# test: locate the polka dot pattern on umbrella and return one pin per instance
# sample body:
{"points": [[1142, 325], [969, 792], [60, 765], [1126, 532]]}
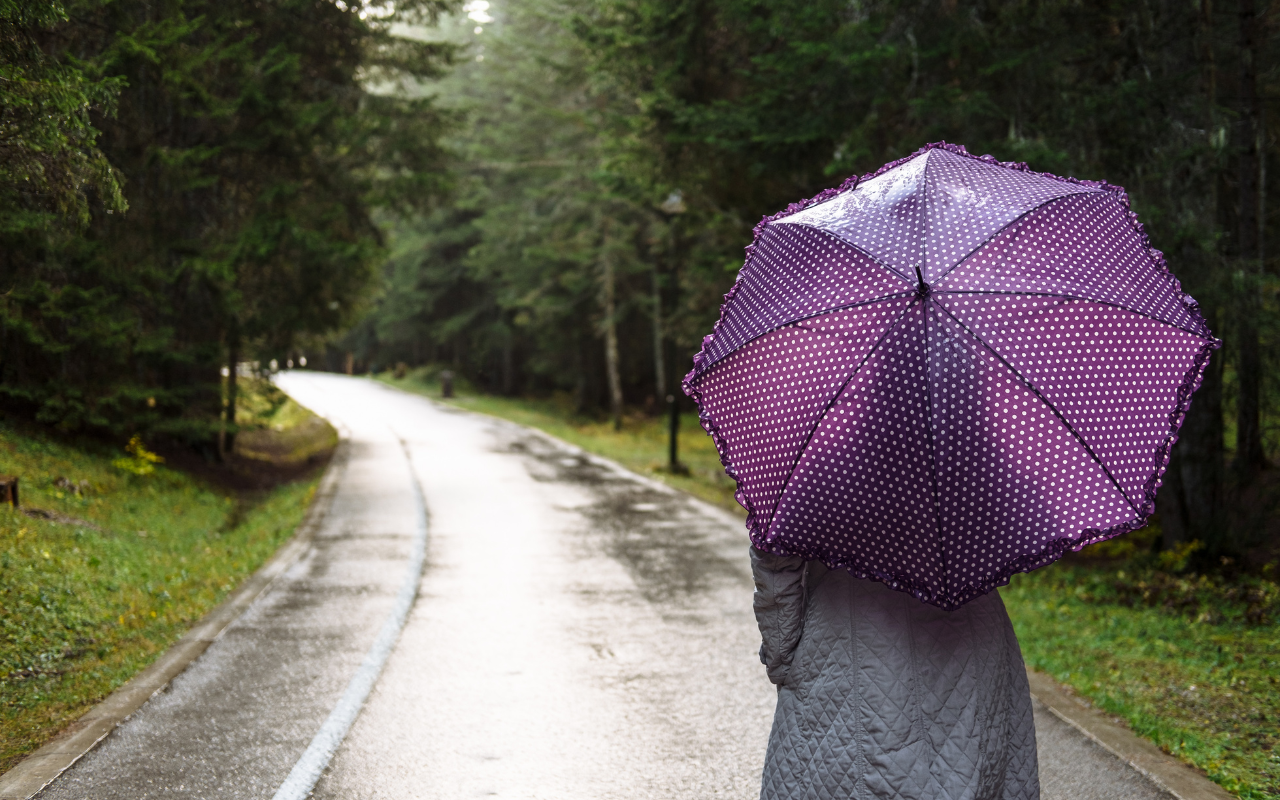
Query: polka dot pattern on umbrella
{"points": [[931, 211], [1113, 375], [969, 201], [767, 396], [941, 434], [795, 272], [1012, 478], [1082, 246], [864, 485], [883, 217]]}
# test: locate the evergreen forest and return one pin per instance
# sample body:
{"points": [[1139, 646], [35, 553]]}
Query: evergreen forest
{"points": [[551, 197]]}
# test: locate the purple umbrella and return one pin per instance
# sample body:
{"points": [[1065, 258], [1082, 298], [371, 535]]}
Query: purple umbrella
{"points": [[949, 371]]}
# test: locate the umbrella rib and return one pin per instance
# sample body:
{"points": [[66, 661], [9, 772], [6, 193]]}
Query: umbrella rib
{"points": [[1004, 228], [834, 397], [1048, 405], [798, 320], [1082, 299], [933, 451], [870, 256]]}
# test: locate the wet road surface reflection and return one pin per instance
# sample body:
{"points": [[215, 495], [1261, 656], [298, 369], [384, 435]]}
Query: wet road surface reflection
{"points": [[670, 546]]}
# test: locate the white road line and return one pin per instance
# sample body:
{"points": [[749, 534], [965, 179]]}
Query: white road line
{"points": [[302, 778]]}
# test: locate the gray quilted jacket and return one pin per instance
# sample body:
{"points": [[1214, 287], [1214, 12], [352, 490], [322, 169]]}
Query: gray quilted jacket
{"points": [[881, 696]]}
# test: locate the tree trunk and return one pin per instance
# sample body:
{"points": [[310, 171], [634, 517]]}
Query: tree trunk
{"points": [[229, 414], [1208, 60], [659, 362], [609, 301], [222, 414], [508, 364], [1192, 501], [1171, 503], [1249, 454], [579, 373]]}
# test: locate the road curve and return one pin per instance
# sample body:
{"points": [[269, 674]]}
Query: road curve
{"points": [[579, 632]]}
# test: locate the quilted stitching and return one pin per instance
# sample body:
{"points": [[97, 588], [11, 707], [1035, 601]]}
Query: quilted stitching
{"points": [[892, 699]]}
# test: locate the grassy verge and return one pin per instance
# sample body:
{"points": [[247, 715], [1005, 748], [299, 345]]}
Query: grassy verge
{"points": [[1201, 683], [118, 567], [1188, 662]]}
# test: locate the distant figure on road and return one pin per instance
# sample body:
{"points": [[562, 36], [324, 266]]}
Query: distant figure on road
{"points": [[883, 696]]}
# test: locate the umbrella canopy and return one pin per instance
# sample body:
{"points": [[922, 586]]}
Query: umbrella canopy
{"points": [[949, 371]]}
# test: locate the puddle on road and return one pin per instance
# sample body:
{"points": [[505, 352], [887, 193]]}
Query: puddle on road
{"points": [[660, 539]]}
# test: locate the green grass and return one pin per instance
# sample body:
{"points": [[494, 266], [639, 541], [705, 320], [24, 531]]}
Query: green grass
{"points": [[88, 601], [1204, 691], [1081, 622], [640, 446]]}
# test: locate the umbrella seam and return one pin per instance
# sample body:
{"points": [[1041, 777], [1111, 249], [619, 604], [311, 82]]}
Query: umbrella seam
{"points": [[933, 450], [704, 371], [836, 396], [873, 258], [1143, 314], [722, 446], [1047, 404], [923, 219], [701, 369], [1053, 550], [1010, 224]]}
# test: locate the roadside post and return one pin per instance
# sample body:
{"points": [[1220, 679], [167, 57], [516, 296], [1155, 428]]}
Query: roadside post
{"points": [[672, 208], [9, 490], [673, 465]]}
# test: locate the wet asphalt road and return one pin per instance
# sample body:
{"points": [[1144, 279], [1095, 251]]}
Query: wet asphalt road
{"points": [[578, 633]]}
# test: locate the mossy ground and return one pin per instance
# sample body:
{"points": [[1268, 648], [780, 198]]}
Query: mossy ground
{"points": [[118, 568], [277, 431], [1194, 670]]}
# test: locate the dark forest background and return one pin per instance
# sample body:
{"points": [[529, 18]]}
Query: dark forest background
{"points": [[550, 197]]}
